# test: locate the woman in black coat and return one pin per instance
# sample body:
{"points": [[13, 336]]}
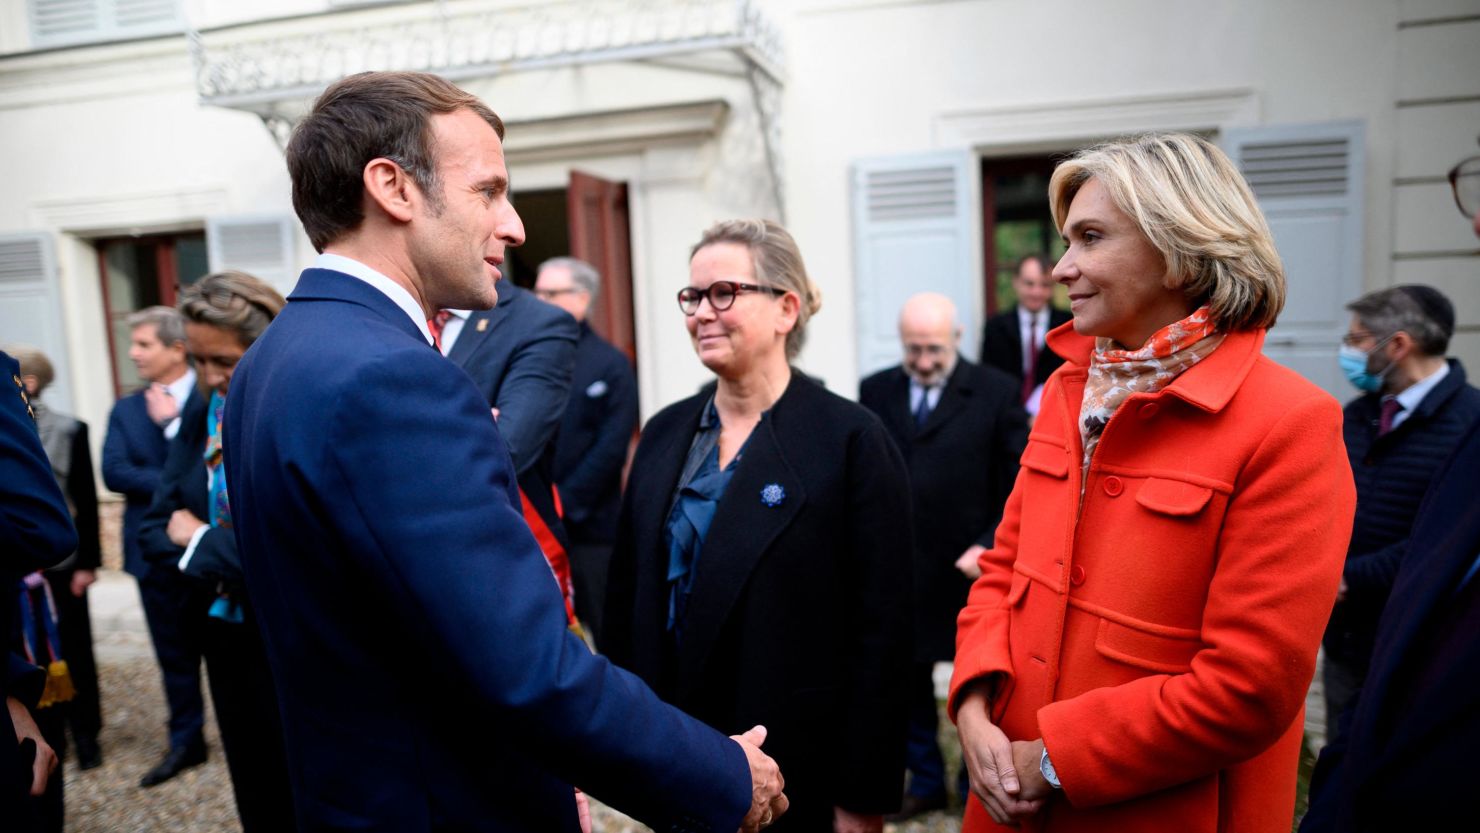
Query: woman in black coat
{"points": [[762, 569], [188, 527]]}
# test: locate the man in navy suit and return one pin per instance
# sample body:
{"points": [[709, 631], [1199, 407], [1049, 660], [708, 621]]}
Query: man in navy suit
{"points": [[427, 678], [139, 432], [1013, 341], [520, 354], [36, 532], [591, 448], [1405, 759]]}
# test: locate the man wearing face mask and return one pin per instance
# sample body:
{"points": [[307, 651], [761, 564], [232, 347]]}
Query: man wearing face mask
{"points": [[1415, 408]]}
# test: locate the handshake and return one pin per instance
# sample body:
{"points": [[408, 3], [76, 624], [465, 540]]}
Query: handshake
{"points": [[767, 801]]}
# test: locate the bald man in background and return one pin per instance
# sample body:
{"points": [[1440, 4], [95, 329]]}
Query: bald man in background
{"points": [[961, 429]]}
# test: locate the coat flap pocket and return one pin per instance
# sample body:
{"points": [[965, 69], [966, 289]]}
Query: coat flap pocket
{"points": [[1154, 652], [1046, 458], [1018, 589], [1173, 497]]}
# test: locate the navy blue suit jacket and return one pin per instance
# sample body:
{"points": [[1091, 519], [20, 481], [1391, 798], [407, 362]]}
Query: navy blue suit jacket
{"points": [[1406, 759], [417, 638], [600, 418], [36, 531], [134, 452]]}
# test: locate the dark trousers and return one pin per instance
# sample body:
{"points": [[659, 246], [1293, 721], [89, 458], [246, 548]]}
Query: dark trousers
{"points": [[84, 712], [251, 725], [589, 564], [1342, 684], [170, 600]]}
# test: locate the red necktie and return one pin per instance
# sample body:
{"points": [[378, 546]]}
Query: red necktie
{"points": [[1031, 371], [436, 323]]}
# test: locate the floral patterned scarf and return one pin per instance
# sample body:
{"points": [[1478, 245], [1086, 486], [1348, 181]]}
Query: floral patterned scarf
{"points": [[1115, 374]]}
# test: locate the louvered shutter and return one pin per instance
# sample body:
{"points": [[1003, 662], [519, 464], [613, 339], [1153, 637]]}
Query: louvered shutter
{"points": [[914, 230], [260, 245], [64, 22], [1308, 181], [31, 308]]}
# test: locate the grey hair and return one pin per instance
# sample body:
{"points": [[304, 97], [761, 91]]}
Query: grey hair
{"points": [[777, 262], [583, 274], [168, 324], [1420, 311]]}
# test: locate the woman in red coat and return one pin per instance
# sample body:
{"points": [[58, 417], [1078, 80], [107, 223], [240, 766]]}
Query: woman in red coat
{"points": [[1136, 653]]}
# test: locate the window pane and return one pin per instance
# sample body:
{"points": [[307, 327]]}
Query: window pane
{"points": [[190, 258], [133, 283]]}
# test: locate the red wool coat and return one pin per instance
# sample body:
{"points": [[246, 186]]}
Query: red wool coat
{"points": [[1161, 639]]}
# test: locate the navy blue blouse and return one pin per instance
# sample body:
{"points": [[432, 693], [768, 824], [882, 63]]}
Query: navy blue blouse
{"points": [[700, 488]]}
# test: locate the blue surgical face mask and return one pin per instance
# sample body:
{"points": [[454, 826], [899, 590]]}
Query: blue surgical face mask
{"points": [[1354, 364]]}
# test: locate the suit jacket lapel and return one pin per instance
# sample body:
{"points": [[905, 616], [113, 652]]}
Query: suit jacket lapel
{"points": [[476, 330], [744, 527], [952, 401]]}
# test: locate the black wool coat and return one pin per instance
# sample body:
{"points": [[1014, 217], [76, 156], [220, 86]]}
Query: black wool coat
{"points": [[799, 616], [962, 464]]}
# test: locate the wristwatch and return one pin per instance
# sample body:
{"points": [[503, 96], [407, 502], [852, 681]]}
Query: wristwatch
{"points": [[1045, 766]]}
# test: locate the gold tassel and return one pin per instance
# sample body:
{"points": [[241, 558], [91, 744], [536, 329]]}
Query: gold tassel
{"points": [[59, 688]]}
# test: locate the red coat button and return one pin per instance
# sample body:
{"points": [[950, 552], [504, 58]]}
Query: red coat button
{"points": [[1114, 486], [1076, 575], [1149, 410]]}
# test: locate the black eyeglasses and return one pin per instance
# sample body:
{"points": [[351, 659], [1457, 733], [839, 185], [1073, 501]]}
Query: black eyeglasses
{"points": [[1464, 180], [721, 295]]}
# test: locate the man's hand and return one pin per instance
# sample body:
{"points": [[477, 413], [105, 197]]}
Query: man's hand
{"points": [[988, 756], [1027, 758], [846, 822], [160, 405], [46, 758], [583, 811], [968, 562], [182, 527], [81, 580], [767, 801]]}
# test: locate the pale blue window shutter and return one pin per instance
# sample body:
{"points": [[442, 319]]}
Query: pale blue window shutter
{"points": [[916, 228], [260, 245], [31, 307], [1308, 179]]}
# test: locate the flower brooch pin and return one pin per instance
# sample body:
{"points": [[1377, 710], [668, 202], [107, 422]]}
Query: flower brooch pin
{"points": [[772, 495]]}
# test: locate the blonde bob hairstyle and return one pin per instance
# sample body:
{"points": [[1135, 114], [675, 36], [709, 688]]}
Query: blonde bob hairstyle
{"points": [[777, 263], [1195, 208], [233, 301]]}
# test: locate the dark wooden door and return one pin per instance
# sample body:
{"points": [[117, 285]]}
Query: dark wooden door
{"points": [[596, 209]]}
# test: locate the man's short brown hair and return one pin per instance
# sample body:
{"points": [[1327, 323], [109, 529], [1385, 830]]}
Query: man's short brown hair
{"points": [[362, 117]]}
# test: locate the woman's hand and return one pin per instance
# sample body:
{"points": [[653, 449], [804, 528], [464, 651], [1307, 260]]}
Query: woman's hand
{"points": [[987, 754], [846, 822], [182, 527], [81, 580]]}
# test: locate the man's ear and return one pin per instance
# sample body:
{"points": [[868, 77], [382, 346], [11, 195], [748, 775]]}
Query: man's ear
{"points": [[1400, 345], [391, 189]]}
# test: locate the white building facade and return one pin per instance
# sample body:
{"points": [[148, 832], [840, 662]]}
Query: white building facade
{"points": [[904, 142]]}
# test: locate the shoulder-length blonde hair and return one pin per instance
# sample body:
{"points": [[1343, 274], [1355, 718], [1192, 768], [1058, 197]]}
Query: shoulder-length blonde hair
{"points": [[1195, 208], [778, 263]]}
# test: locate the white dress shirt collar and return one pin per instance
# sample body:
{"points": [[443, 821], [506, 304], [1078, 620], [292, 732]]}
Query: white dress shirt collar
{"points": [[389, 288], [1414, 395]]}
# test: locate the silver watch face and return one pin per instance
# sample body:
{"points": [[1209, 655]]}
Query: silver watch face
{"points": [[1045, 766]]}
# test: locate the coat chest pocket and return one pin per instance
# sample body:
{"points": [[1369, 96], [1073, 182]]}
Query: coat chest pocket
{"points": [[1046, 457], [1143, 649], [1175, 498]]}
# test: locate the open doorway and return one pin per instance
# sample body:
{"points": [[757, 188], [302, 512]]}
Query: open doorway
{"points": [[588, 219], [1016, 222]]}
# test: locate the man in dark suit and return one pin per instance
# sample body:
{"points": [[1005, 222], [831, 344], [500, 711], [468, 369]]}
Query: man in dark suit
{"points": [[36, 532], [1416, 406], [961, 430], [600, 418], [1405, 759], [520, 355], [427, 677], [139, 432], [1013, 341]]}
